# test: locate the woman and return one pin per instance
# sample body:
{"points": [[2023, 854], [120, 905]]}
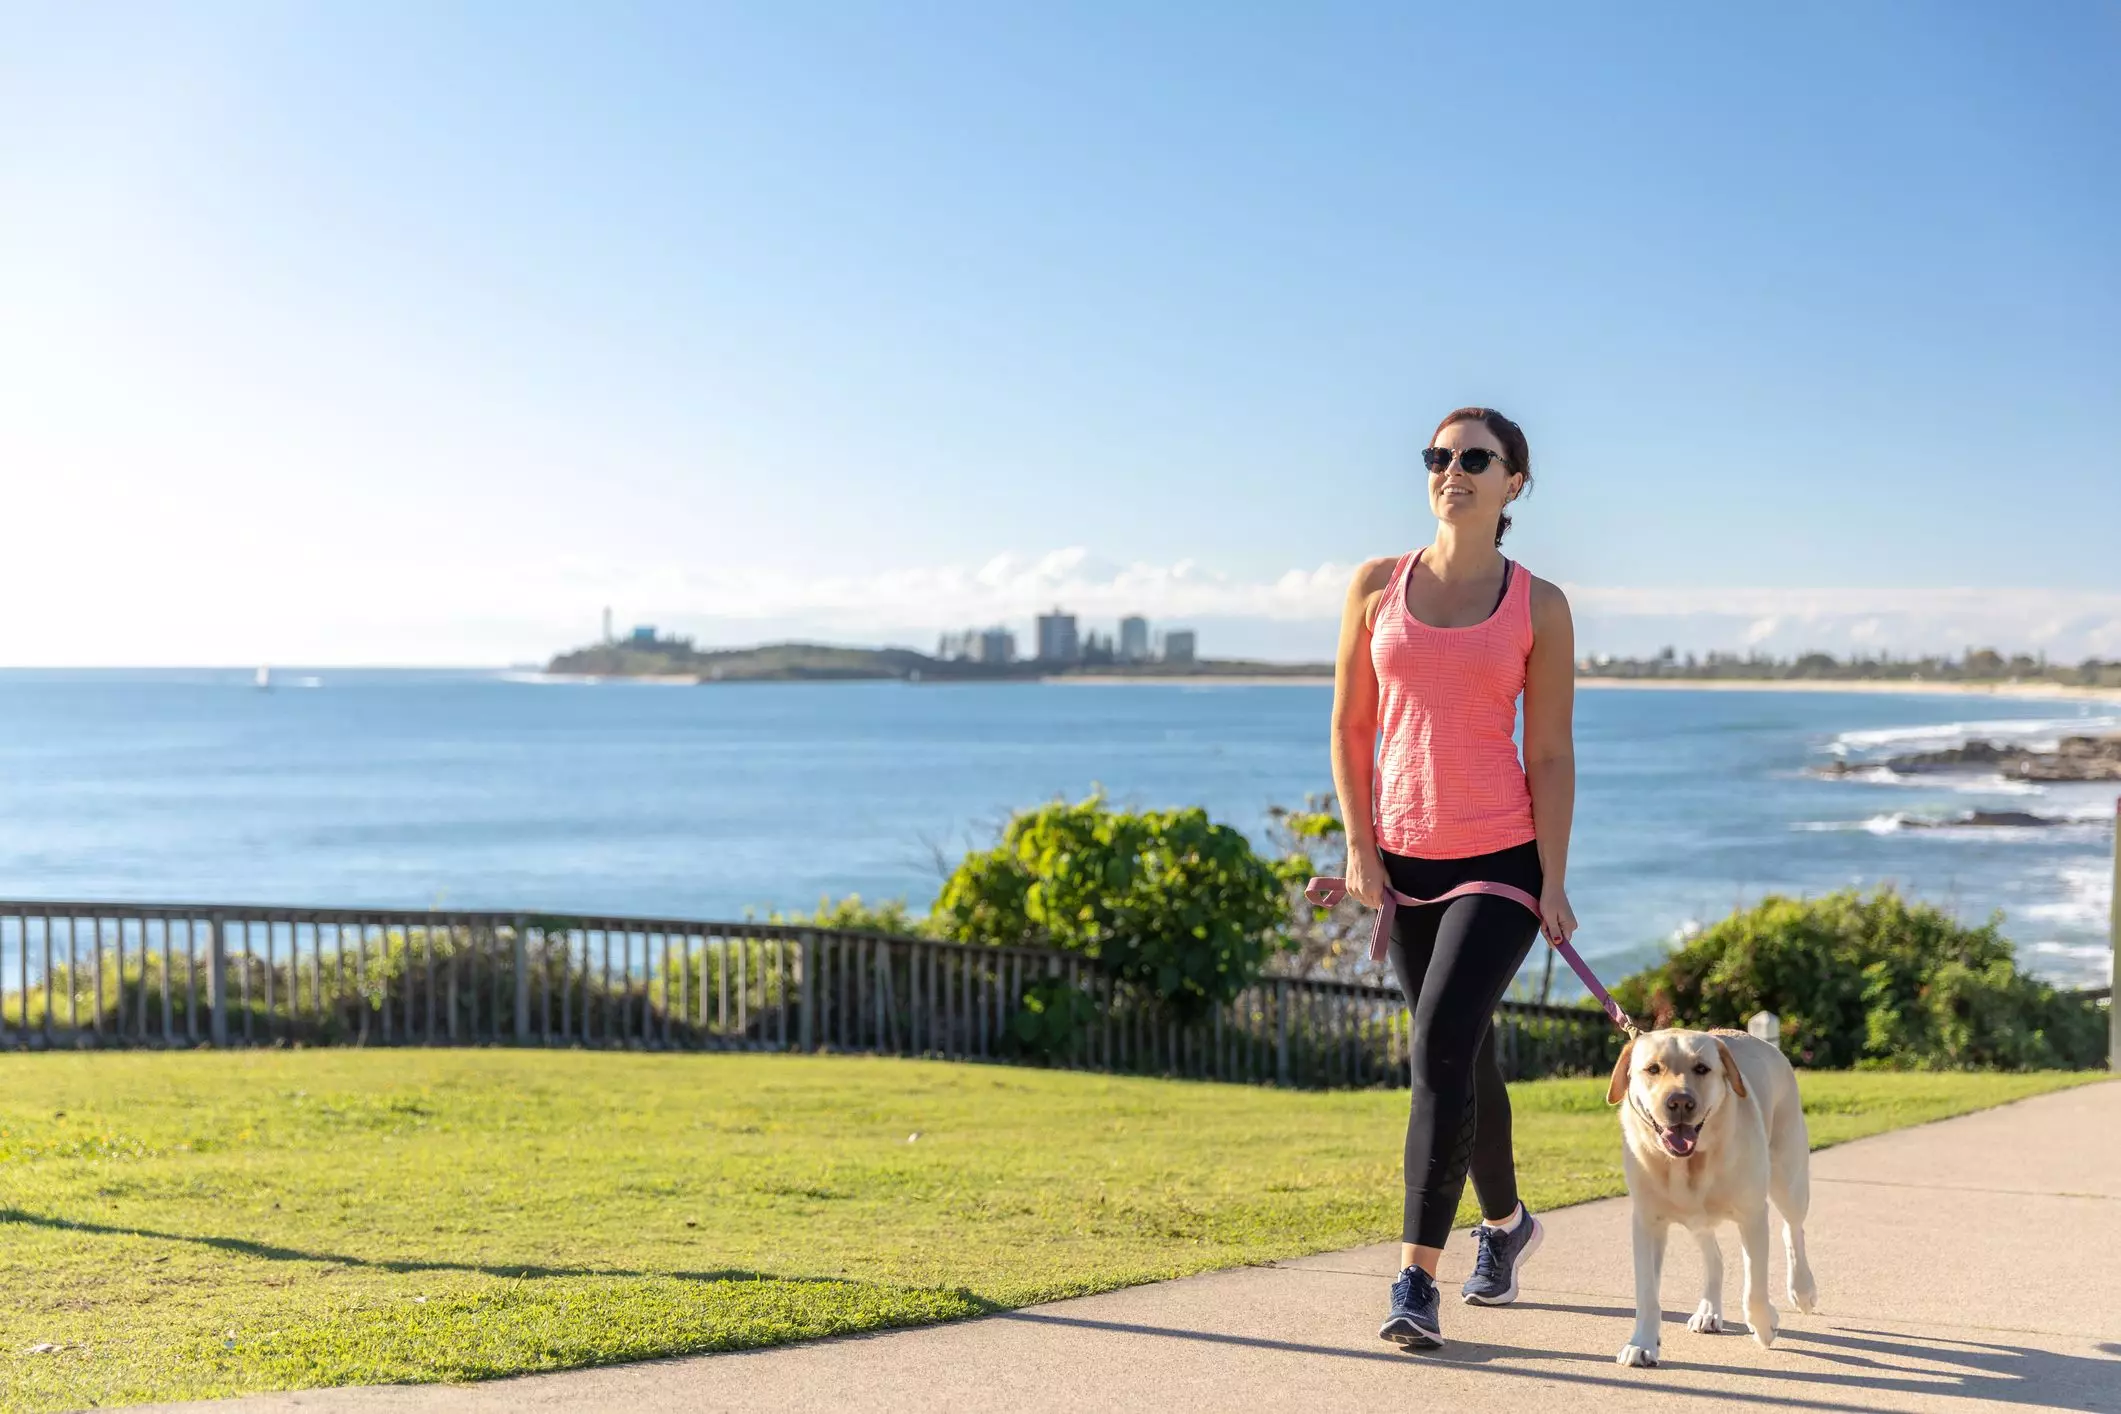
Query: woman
{"points": [[1436, 647]]}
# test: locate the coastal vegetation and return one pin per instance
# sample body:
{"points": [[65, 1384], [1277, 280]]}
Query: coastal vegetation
{"points": [[1166, 900], [207, 1224], [678, 660], [1872, 981], [1979, 666]]}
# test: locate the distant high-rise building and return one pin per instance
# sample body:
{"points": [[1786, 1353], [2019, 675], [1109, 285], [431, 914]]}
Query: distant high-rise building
{"points": [[644, 635], [953, 646], [607, 625], [1178, 646], [996, 645], [1057, 641], [1133, 639]]}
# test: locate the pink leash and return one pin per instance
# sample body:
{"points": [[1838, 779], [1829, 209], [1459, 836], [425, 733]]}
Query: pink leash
{"points": [[1328, 890]]}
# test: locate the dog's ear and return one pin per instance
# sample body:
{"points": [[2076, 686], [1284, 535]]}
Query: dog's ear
{"points": [[1618, 1085], [1730, 1070]]}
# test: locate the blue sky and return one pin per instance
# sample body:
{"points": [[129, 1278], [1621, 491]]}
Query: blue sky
{"points": [[413, 333]]}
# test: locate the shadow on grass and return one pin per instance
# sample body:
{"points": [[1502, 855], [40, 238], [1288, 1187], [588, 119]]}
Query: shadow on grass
{"points": [[513, 1271]]}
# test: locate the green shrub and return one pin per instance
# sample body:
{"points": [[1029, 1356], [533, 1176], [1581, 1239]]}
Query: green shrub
{"points": [[1164, 899], [1871, 981], [852, 915], [1051, 1020]]}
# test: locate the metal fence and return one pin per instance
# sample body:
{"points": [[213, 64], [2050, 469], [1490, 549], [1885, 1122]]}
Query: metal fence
{"points": [[88, 975]]}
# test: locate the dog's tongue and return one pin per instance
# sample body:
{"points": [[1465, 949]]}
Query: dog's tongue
{"points": [[1679, 1140]]}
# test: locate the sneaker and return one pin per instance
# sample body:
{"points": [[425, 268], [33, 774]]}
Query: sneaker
{"points": [[1413, 1320], [1501, 1256]]}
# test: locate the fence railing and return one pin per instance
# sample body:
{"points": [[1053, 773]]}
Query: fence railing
{"points": [[77, 975]]}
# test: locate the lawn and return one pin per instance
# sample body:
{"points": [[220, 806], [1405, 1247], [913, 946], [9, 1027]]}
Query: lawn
{"points": [[195, 1224]]}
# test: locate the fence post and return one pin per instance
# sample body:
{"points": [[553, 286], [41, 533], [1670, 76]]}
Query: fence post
{"points": [[520, 957], [1281, 1032], [2113, 924], [216, 984], [1765, 1026], [806, 972]]}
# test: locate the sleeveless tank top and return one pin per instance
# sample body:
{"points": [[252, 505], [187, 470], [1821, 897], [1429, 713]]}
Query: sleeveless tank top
{"points": [[1450, 783]]}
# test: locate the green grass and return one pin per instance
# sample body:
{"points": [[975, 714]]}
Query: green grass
{"points": [[198, 1224]]}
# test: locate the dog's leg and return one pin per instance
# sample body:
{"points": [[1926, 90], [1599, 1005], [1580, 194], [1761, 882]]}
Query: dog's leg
{"points": [[1650, 1234], [1708, 1316], [1753, 1238], [1792, 1192]]}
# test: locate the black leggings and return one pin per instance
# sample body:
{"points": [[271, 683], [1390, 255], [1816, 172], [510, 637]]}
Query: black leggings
{"points": [[1455, 960]]}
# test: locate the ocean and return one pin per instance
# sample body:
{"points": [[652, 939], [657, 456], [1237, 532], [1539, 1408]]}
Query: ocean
{"points": [[500, 790]]}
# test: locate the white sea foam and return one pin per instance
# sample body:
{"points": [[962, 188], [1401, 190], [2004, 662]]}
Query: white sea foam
{"points": [[2077, 829], [2040, 733], [1998, 785]]}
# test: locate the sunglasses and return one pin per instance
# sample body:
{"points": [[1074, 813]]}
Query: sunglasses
{"points": [[1471, 460]]}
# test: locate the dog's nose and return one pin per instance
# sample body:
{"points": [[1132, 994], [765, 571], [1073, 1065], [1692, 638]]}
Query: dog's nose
{"points": [[1679, 1105]]}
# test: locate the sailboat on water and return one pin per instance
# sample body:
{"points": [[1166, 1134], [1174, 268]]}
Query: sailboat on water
{"points": [[264, 679]]}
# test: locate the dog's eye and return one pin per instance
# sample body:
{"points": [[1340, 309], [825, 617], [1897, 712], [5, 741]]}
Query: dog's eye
{"points": [[1650, 1069], [1701, 1068]]}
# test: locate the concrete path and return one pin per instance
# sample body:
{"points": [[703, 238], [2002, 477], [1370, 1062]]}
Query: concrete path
{"points": [[1972, 1264]]}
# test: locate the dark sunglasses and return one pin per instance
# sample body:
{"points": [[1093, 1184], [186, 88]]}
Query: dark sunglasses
{"points": [[1471, 460]]}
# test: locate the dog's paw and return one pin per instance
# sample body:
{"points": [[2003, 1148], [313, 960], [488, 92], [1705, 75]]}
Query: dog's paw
{"points": [[1805, 1297], [1641, 1357], [1762, 1319], [1706, 1320]]}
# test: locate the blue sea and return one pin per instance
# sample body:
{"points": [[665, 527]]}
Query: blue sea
{"points": [[481, 789]]}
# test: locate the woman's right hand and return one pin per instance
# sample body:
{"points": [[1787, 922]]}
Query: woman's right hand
{"points": [[1366, 878]]}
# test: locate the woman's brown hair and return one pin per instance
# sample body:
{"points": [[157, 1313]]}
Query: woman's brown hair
{"points": [[1516, 452]]}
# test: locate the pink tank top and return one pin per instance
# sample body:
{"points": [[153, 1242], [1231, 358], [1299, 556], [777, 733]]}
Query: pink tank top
{"points": [[1449, 781]]}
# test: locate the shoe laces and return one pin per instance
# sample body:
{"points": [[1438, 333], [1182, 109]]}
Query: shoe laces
{"points": [[1407, 1286], [1489, 1261]]}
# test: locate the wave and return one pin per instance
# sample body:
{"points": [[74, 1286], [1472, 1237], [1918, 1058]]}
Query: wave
{"points": [[2072, 827], [1978, 785], [2031, 732]]}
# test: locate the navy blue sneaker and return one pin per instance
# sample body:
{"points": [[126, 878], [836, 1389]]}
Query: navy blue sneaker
{"points": [[1500, 1258], [1412, 1323]]}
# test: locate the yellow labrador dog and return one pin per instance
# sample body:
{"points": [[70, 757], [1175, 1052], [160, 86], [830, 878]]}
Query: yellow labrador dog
{"points": [[1714, 1130]]}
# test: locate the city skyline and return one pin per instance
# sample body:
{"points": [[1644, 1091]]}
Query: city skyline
{"points": [[394, 334]]}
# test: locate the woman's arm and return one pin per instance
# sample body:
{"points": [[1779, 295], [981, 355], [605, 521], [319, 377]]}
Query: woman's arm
{"points": [[1355, 733], [1550, 748]]}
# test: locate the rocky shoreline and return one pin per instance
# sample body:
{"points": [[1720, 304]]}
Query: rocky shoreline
{"points": [[2075, 758]]}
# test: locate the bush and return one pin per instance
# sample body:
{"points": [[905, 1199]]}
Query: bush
{"points": [[1333, 941], [1871, 981], [1166, 900], [1051, 1021], [851, 915]]}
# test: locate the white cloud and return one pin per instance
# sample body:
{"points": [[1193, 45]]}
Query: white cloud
{"points": [[285, 602]]}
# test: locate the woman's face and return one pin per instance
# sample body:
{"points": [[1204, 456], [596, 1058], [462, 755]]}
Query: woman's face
{"points": [[1470, 500]]}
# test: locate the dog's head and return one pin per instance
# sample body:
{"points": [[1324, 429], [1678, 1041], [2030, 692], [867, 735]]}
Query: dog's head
{"points": [[1675, 1080]]}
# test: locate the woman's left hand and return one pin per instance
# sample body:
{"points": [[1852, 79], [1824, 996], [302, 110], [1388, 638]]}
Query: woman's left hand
{"points": [[1556, 919]]}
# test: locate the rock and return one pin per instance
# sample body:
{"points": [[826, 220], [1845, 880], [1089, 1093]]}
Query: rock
{"points": [[2077, 758], [1984, 819]]}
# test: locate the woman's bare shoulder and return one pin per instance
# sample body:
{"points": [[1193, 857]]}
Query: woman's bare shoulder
{"points": [[1373, 576], [1549, 604]]}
